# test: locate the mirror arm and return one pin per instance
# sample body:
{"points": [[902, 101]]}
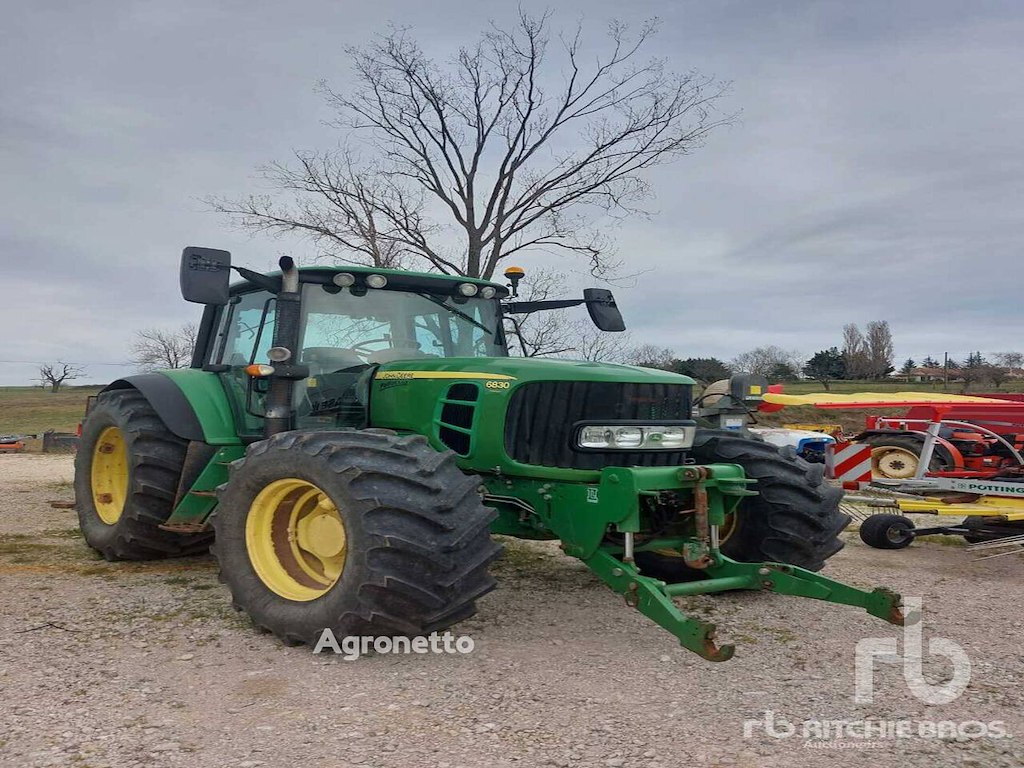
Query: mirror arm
{"points": [[272, 284], [525, 307]]}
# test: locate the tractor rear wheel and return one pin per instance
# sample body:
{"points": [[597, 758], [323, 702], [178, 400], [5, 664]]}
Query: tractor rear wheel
{"points": [[127, 471], [365, 533], [794, 519]]}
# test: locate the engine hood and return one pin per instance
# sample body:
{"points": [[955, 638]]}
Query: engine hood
{"points": [[520, 369]]}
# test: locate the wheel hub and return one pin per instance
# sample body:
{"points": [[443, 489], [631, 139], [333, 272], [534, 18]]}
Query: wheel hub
{"points": [[896, 463], [295, 538], [322, 534], [109, 475]]}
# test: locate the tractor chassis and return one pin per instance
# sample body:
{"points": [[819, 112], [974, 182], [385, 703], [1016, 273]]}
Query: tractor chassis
{"points": [[613, 506]]}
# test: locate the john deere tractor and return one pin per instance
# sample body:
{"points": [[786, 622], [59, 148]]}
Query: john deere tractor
{"points": [[349, 439]]}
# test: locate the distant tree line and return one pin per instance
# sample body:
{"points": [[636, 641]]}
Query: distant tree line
{"points": [[862, 356]]}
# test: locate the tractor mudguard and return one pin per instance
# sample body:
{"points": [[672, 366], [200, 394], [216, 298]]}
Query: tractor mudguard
{"points": [[191, 402]]}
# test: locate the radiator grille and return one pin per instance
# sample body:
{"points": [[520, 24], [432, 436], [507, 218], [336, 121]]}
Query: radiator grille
{"points": [[541, 415]]}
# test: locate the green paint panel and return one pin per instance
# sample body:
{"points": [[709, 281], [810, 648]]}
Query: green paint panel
{"points": [[206, 395], [200, 501]]}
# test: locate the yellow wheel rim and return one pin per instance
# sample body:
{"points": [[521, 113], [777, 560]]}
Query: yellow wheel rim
{"points": [[296, 541], [110, 475], [895, 463]]}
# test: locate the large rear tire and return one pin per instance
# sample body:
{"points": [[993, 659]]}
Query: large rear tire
{"points": [[127, 471], [794, 519], [365, 533]]}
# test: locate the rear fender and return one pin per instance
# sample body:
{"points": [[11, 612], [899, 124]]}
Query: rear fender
{"points": [[192, 403]]}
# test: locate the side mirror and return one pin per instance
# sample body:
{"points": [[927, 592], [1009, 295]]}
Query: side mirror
{"points": [[603, 309], [205, 274]]}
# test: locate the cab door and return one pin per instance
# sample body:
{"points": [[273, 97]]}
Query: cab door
{"points": [[246, 333]]}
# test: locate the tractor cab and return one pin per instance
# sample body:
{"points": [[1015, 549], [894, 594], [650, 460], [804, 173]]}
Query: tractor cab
{"points": [[322, 333], [347, 324]]}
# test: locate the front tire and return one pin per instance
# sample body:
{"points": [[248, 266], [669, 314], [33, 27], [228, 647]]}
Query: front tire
{"points": [[794, 519], [127, 471], [366, 533]]}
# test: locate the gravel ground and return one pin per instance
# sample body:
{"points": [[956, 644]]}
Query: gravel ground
{"points": [[146, 665]]}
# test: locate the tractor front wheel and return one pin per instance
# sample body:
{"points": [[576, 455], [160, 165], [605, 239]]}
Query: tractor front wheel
{"points": [[365, 533], [794, 519]]}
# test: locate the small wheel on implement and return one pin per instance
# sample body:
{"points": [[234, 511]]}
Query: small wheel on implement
{"points": [[897, 457], [887, 531]]}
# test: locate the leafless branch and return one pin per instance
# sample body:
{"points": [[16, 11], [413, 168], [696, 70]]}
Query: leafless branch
{"points": [[55, 374], [157, 349], [521, 142]]}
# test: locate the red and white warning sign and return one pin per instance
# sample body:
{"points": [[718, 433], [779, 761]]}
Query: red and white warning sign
{"points": [[850, 463]]}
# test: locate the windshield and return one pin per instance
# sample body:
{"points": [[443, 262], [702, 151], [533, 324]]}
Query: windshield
{"points": [[380, 325]]}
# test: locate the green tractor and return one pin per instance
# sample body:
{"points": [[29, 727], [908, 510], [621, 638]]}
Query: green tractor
{"points": [[349, 439]]}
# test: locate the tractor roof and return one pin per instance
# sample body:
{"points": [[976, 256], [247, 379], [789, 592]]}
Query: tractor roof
{"points": [[398, 279]]}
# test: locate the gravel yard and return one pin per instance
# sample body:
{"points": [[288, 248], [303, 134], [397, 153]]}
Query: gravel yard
{"points": [[106, 664]]}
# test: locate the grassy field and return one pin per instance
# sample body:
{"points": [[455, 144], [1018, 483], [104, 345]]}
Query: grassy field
{"points": [[30, 410]]}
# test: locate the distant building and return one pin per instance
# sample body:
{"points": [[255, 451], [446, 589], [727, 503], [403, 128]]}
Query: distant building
{"points": [[928, 375]]}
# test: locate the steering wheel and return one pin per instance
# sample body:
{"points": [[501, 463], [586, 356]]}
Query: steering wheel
{"points": [[365, 353]]}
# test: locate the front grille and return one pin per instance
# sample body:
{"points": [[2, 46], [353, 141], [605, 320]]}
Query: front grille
{"points": [[541, 415]]}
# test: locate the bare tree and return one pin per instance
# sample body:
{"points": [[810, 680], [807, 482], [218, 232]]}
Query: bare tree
{"points": [[769, 361], [157, 349], [1011, 360], [997, 374], [855, 352], [597, 345], [55, 374], [516, 144], [878, 338], [651, 356], [348, 211]]}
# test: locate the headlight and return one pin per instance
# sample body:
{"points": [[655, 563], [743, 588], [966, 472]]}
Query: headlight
{"points": [[636, 437], [376, 281], [467, 289], [344, 279]]}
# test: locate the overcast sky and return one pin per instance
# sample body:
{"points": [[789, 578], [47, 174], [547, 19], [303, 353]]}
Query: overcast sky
{"points": [[876, 171]]}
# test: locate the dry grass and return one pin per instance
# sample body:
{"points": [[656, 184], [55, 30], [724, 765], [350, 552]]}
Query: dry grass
{"points": [[31, 410]]}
